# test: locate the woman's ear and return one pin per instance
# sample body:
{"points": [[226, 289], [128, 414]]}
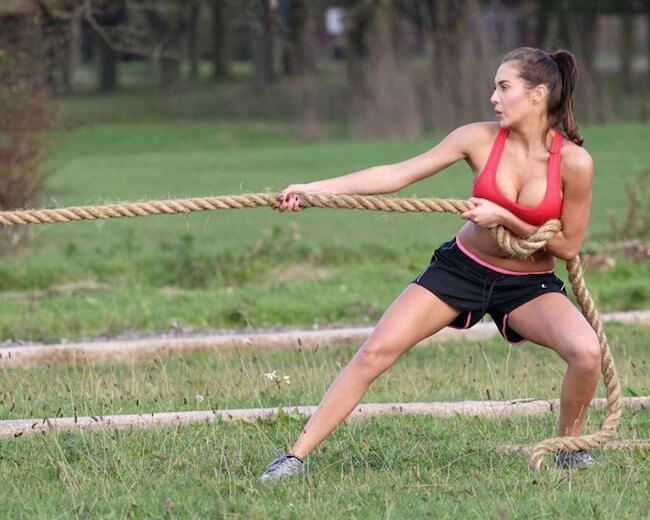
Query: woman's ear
{"points": [[539, 93]]}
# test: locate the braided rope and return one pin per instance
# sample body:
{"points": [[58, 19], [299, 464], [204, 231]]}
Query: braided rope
{"points": [[513, 245]]}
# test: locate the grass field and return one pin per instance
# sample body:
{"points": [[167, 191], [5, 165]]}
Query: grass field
{"points": [[257, 268], [228, 379], [393, 467], [398, 467], [253, 268]]}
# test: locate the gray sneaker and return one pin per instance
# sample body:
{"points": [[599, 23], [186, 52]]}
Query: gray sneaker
{"points": [[574, 460], [285, 465]]}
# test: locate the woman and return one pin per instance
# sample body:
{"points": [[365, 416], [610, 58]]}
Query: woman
{"points": [[525, 173]]}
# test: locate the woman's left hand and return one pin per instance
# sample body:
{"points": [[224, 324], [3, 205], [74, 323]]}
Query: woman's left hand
{"points": [[486, 214]]}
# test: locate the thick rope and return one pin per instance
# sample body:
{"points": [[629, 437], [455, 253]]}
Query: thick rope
{"points": [[513, 245]]}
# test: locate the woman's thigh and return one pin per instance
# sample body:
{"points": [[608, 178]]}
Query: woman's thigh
{"points": [[415, 315], [551, 320]]}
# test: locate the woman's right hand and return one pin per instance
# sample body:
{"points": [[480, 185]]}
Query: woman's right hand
{"points": [[289, 198]]}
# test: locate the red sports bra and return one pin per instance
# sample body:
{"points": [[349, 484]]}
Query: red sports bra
{"points": [[485, 185]]}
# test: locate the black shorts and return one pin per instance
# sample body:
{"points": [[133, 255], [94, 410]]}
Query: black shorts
{"points": [[474, 287]]}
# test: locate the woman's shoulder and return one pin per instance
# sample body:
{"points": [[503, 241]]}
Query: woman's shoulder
{"points": [[577, 163], [480, 132], [575, 156]]}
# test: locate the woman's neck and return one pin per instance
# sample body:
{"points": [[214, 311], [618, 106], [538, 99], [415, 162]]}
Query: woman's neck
{"points": [[527, 139]]}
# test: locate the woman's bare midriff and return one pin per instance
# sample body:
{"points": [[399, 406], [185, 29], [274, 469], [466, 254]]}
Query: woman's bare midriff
{"points": [[480, 242]]}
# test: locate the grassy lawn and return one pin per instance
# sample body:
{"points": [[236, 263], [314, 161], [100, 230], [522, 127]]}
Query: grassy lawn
{"points": [[258, 268], [238, 269], [397, 467], [228, 379], [253, 268]]}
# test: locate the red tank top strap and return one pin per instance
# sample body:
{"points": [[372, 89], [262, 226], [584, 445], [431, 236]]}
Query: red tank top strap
{"points": [[554, 163]]}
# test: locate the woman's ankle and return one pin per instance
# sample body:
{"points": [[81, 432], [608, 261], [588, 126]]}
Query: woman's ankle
{"points": [[301, 454]]}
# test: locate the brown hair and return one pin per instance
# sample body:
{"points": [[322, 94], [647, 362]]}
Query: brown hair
{"points": [[558, 71]]}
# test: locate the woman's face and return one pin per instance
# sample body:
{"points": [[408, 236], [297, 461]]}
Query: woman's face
{"points": [[511, 98]]}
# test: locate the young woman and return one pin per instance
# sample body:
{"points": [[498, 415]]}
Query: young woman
{"points": [[529, 167]]}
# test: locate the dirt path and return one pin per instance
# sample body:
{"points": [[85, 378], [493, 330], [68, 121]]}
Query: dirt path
{"points": [[147, 348], [490, 409]]}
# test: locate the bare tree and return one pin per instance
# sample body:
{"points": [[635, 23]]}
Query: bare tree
{"points": [[166, 23], [221, 36], [626, 48], [263, 41], [298, 52], [383, 96], [462, 62], [193, 38], [24, 117]]}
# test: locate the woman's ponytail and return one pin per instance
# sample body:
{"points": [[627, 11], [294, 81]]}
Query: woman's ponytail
{"points": [[569, 77]]}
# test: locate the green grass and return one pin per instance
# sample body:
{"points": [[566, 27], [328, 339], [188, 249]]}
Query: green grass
{"points": [[401, 466], [228, 379], [397, 467], [257, 269], [199, 271]]}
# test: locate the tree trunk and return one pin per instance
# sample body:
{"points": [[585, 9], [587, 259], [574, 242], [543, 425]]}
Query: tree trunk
{"points": [[263, 45], [626, 50], [107, 66], [444, 62], [220, 40], [170, 73], [383, 89], [356, 32], [563, 15], [543, 18], [299, 53], [647, 50], [645, 79], [193, 39], [581, 22], [74, 56]]}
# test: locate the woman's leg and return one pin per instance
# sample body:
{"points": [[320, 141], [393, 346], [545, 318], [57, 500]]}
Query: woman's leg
{"points": [[415, 315], [551, 320]]}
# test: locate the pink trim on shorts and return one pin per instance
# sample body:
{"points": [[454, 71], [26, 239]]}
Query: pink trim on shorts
{"points": [[503, 332], [494, 267], [469, 318]]}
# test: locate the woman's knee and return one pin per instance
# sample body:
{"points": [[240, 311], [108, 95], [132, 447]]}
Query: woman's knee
{"points": [[584, 352], [374, 357]]}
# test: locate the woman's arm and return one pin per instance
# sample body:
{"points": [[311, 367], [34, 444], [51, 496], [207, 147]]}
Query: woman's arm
{"points": [[576, 205], [516, 225], [371, 181], [390, 178]]}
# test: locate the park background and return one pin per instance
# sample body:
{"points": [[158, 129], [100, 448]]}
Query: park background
{"points": [[127, 100]]}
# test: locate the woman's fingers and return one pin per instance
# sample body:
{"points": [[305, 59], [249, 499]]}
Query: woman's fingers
{"points": [[294, 202], [289, 202], [285, 201], [280, 202]]}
